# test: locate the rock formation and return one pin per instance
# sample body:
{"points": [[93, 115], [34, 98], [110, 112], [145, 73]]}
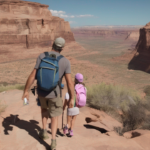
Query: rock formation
{"points": [[126, 33], [30, 24], [141, 59], [133, 35]]}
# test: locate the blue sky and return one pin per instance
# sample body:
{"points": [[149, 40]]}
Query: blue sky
{"points": [[100, 12]]}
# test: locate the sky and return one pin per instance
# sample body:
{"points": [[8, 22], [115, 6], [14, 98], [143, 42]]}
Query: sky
{"points": [[100, 12]]}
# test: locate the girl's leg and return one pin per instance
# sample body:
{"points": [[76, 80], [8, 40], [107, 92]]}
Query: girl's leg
{"points": [[69, 120], [72, 125], [73, 121]]}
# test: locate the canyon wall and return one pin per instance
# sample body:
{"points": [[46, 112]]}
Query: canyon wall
{"points": [[132, 34], [141, 59], [30, 24]]}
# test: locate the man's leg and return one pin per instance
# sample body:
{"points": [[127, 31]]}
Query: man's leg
{"points": [[54, 126], [44, 114], [55, 110]]}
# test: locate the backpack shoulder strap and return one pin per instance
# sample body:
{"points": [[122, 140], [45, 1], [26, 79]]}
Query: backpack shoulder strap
{"points": [[46, 54], [59, 57]]}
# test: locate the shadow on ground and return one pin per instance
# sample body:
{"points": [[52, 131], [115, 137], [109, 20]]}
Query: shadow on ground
{"points": [[135, 134], [96, 128], [31, 127]]}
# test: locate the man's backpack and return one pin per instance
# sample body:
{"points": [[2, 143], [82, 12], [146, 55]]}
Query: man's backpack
{"points": [[48, 73], [80, 95]]}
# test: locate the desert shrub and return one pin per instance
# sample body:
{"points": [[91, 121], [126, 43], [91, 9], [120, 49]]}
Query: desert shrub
{"points": [[2, 107], [11, 87], [147, 90], [113, 99]]}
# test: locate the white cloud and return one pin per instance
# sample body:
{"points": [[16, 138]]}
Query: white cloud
{"points": [[80, 16], [63, 14], [55, 12], [72, 22]]}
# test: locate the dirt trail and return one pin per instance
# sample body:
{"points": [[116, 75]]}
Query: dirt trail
{"points": [[21, 132]]}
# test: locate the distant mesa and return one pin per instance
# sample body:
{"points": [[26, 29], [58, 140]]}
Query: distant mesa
{"points": [[127, 32], [30, 24], [141, 59]]}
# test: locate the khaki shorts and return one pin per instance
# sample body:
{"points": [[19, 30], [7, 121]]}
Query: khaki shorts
{"points": [[53, 105]]}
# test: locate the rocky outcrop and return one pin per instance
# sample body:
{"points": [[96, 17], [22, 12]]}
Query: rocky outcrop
{"points": [[125, 33], [30, 24], [141, 59], [133, 35], [99, 32]]}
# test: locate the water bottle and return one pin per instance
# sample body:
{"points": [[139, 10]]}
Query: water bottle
{"points": [[26, 102]]}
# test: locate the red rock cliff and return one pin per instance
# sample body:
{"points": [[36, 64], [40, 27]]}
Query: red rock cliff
{"points": [[30, 24], [141, 59]]}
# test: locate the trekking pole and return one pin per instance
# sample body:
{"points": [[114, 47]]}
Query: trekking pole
{"points": [[62, 119]]}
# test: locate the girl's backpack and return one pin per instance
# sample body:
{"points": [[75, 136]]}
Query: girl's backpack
{"points": [[80, 95]]}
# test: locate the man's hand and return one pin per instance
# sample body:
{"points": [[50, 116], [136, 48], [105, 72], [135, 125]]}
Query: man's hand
{"points": [[29, 82], [71, 103], [70, 87], [25, 95]]}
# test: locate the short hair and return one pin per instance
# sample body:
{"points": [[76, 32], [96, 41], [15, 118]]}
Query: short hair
{"points": [[56, 48]]}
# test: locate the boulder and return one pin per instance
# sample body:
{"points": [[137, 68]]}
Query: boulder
{"points": [[141, 59], [30, 24]]}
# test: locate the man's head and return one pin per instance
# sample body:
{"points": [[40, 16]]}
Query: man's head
{"points": [[58, 44]]}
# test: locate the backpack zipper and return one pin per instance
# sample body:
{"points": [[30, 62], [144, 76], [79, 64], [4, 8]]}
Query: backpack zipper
{"points": [[49, 62], [47, 68], [54, 75], [41, 74]]}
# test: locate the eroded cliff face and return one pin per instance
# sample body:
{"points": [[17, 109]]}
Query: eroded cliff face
{"points": [[141, 59], [130, 34], [30, 24]]}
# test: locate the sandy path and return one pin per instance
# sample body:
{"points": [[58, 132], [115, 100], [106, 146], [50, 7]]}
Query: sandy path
{"points": [[23, 133]]}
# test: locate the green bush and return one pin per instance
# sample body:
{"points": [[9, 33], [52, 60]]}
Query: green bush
{"points": [[113, 99]]}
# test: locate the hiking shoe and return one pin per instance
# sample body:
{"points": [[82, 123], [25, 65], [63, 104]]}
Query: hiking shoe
{"points": [[65, 130], [53, 144], [43, 134], [70, 132]]}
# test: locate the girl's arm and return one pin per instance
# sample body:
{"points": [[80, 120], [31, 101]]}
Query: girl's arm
{"points": [[65, 103]]}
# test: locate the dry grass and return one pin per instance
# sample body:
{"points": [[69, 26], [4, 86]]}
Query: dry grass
{"points": [[6, 87], [147, 90], [11, 87], [113, 99], [109, 96], [2, 107]]}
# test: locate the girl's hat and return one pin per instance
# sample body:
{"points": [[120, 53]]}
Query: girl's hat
{"points": [[79, 77]]}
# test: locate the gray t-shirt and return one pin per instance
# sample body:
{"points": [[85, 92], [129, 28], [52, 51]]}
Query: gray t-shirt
{"points": [[64, 68]]}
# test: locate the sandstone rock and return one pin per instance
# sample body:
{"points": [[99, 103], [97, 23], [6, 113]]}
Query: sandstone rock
{"points": [[30, 24], [134, 35], [142, 60], [125, 33]]}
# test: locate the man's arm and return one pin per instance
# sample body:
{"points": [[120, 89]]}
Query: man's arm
{"points": [[65, 104], [29, 82], [70, 87]]}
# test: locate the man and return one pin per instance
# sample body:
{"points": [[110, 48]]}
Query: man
{"points": [[51, 103]]}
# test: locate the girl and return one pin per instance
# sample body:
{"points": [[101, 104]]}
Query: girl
{"points": [[73, 112]]}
